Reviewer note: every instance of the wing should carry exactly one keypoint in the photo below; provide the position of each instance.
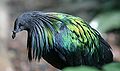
(75, 34)
(76, 30)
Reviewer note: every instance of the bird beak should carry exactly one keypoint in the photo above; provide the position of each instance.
(14, 34)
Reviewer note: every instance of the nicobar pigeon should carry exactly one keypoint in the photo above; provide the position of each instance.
(62, 40)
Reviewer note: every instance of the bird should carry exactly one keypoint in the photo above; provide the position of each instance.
(63, 40)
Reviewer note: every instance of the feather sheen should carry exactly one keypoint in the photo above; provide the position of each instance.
(68, 36)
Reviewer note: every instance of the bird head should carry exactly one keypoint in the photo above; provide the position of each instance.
(22, 23)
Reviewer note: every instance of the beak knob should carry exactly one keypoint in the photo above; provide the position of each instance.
(14, 34)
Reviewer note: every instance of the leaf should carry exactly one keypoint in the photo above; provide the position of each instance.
(112, 67)
(81, 68)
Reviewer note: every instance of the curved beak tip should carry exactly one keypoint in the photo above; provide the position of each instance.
(14, 34)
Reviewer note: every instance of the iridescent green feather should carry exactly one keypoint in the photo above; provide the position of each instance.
(75, 24)
(75, 35)
(81, 35)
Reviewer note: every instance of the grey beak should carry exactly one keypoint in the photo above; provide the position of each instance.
(14, 34)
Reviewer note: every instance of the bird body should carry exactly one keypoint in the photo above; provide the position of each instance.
(63, 40)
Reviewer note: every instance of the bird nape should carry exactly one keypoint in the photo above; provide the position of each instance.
(62, 40)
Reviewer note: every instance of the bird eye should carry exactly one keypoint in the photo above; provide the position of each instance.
(20, 24)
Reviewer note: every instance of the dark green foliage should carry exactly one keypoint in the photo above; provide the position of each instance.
(112, 67)
(108, 67)
(82, 68)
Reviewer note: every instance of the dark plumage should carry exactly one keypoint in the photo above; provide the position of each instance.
(62, 40)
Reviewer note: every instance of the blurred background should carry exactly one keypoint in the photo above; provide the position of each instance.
(103, 15)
